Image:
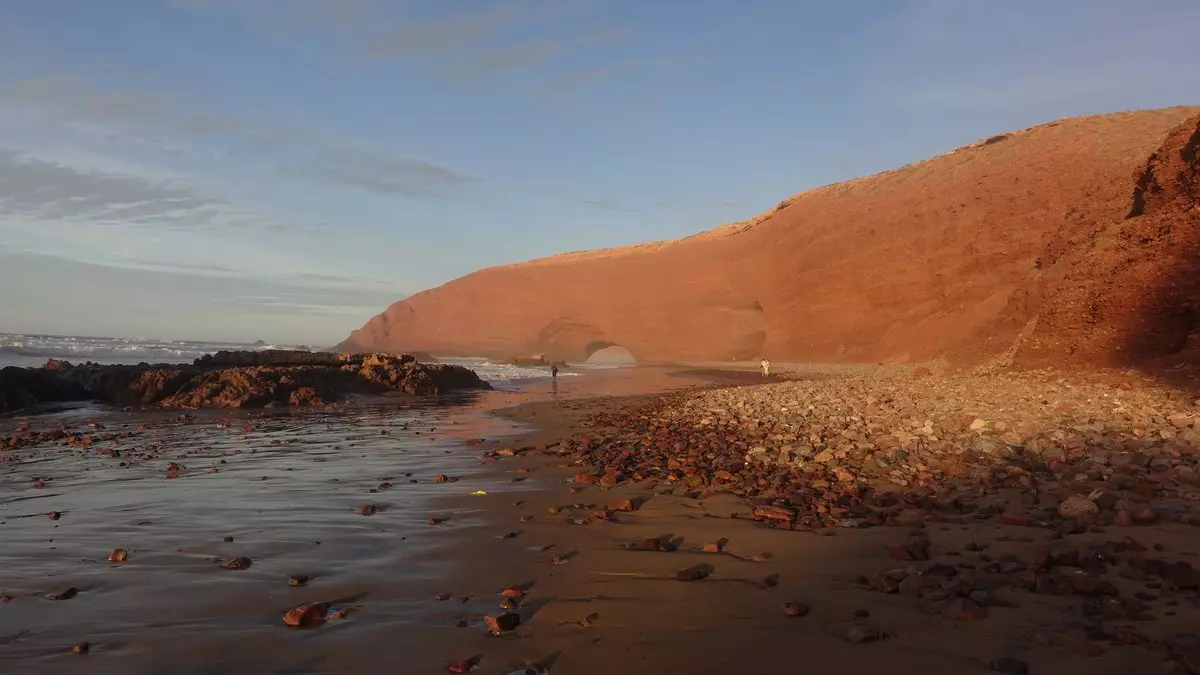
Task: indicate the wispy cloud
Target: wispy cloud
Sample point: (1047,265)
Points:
(34,189)
(143,118)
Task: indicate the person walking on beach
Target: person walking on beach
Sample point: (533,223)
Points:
(766,368)
(554,370)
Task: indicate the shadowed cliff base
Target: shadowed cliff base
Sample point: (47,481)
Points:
(1069,244)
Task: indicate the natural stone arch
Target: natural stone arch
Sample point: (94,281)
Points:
(604,352)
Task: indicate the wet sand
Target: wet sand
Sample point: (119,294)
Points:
(281,488)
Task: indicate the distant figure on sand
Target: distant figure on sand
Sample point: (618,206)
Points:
(766,368)
(554,371)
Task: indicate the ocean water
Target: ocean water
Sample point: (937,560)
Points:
(32,351)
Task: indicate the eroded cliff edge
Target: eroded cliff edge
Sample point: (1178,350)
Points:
(1070,243)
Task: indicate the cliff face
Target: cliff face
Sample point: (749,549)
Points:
(1065,243)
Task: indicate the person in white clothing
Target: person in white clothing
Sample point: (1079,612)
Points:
(766,368)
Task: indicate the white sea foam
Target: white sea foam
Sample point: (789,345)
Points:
(34,350)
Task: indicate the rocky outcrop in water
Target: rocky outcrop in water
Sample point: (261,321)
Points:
(234,380)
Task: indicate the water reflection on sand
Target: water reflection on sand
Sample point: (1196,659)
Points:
(280,488)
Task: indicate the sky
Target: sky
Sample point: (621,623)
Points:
(285,169)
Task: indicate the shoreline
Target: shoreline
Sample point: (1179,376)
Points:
(639,619)
(418,592)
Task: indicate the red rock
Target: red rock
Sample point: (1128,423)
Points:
(512,592)
(240,563)
(118,555)
(504,623)
(584,479)
(1123,519)
(622,505)
(54,515)
(297,581)
(307,614)
(773,513)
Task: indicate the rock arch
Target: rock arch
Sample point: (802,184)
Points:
(608,353)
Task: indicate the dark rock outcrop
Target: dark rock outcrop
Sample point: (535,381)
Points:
(234,380)
(1079,234)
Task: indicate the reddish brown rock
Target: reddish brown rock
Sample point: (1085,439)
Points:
(307,614)
(797,282)
(504,623)
(240,563)
(778,513)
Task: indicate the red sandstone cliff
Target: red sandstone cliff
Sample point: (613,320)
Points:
(1073,242)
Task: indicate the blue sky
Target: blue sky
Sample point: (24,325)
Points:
(286,168)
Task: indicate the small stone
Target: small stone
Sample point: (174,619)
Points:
(715,547)
(512,592)
(82,648)
(622,505)
(1123,519)
(977,425)
(307,614)
(54,515)
(695,573)
(1078,507)
(504,623)
(118,555)
(64,595)
(367,510)
(297,581)
(240,563)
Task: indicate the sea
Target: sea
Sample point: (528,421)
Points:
(32,351)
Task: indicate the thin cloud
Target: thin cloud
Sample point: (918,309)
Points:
(145,119)
(34,189)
